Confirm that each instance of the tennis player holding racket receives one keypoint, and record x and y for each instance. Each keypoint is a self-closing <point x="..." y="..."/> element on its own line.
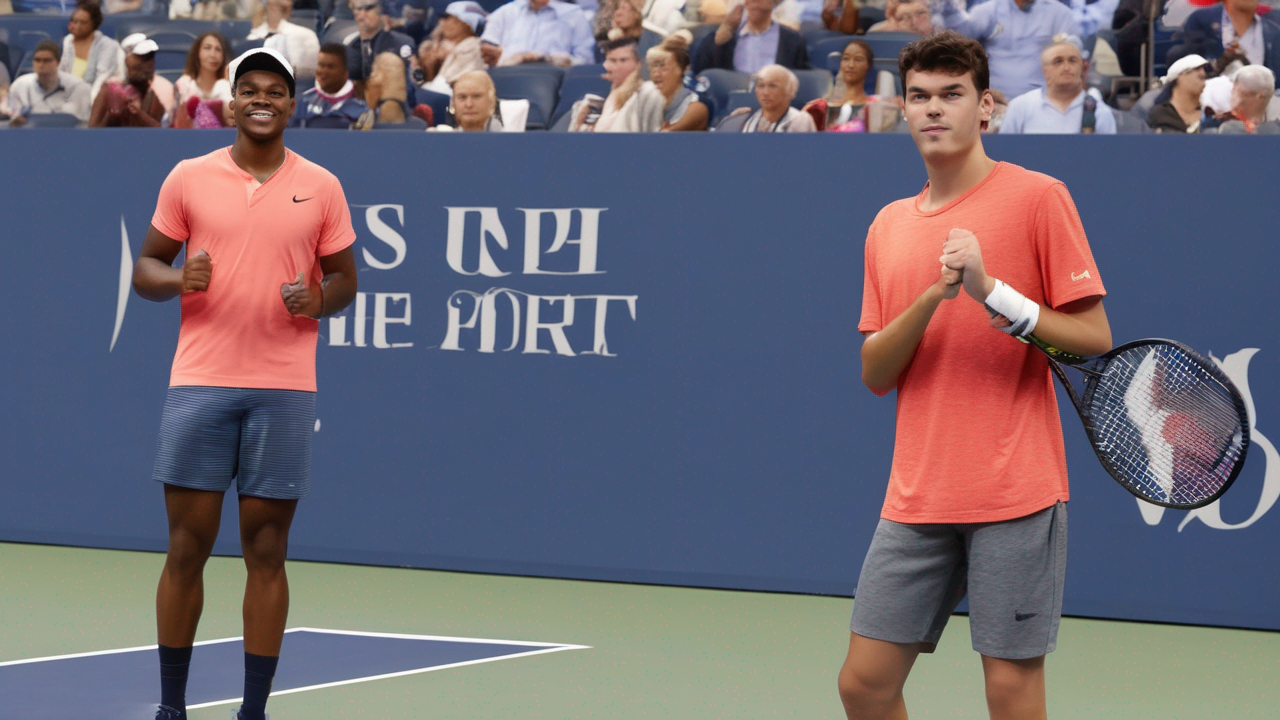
<point x="976" y="502"/>
<point x="268" y="251"/>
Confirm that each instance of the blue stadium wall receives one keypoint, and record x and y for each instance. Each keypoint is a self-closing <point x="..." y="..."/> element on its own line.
<point x="696" y="419"/>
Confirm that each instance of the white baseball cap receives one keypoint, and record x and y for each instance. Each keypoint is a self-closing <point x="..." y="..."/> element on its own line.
<point x="468" y="12"/>
<point x="263" y="58"/>
<point x="139" y="44"/>
<point x="1184" y="64"/>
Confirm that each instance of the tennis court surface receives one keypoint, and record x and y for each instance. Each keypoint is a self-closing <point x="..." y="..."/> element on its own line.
<point x="372" y="642"/>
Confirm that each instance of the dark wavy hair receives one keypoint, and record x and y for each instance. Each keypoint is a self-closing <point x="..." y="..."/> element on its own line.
<point x="93" y="9"/>
<point x="948" y="52"/>
<point x="193" y="55"/>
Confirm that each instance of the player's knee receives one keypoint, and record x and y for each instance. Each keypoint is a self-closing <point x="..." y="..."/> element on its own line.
<point x="1014" y="684"/>
<point x="862" y="689"/>
<point x="265" y="553"/>
<point x="188" y="550"/>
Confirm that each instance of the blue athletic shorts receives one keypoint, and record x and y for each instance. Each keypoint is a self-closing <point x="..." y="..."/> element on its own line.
<point x="262" y="438"/>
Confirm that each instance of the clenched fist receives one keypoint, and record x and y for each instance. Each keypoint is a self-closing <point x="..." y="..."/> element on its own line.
<point x="298" y="298"/>
<point x="196" y="272"/>
<point x="961" y="252"/>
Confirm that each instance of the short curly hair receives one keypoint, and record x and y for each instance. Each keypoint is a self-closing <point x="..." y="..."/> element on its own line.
<point x="948" y="52"/>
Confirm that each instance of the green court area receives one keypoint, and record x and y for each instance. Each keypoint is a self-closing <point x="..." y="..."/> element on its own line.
<point x="655" y="652"/>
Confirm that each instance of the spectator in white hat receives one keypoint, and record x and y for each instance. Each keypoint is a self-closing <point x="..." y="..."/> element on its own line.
<point x="298" y="44"/>
<point x="132" y="103"/>
<point x="1179" y="110"/>
<point x="160" y="84"/>
<point x="453" y="50"/>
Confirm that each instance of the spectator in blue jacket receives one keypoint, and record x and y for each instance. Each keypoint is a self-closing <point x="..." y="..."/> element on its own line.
<point x="538" y="31"/>
<point x="1234" y="27"/>
<point x="1013" y="33"/>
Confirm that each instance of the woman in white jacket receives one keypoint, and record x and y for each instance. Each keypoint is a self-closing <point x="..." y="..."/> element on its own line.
<point x="86" y="52"/>
<point x="632" y="106"/>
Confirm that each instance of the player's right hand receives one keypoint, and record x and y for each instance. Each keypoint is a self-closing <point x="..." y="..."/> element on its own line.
<point x="196" y="272"/>
<point x="951" y="281"/>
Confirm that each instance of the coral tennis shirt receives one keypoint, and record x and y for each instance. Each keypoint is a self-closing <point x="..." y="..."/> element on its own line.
<point x="978" y="437"/>
<point x="259" y="236"/>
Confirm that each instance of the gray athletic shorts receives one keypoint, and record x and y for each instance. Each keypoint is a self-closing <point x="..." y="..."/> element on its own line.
<point x="262" y="438"/>
<point x="1012" y="571"/>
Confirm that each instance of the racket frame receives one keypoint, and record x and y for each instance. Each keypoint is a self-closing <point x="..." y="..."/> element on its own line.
<point x="1094" y="368"/>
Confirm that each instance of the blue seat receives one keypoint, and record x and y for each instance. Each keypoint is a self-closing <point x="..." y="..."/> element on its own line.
<point x="590" y="70"/>
<point x="439" y="104"/>
<point x="574" y="88"/>
<point x="328" y="123"/>
<point x="888" y="45"/>
<point x="741" y="99"/>
<point x="167" y="38"/>
<point x="171" y="74"/>
<point x="715" y="85"/>
<point x="816" y="36"/>
<point x="336" y="30"/>
<point x="868" y="16"/>
<point x="52" y="120"/>
<point x="308" y="18"/>
<point x="240" y="46"/>
<point x="171" y="59"/>
<point x="539" y="84"/>
<point x="1128" y="123"/>
<point x="411" y="123"/>
<point x="813" y="84"/>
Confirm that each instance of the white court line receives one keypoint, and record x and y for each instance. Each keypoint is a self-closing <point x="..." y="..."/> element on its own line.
<point x="543" y="648"/>
<point x="400" y="674"/>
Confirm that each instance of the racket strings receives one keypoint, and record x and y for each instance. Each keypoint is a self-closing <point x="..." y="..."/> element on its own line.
<point x="1166" y="425"/>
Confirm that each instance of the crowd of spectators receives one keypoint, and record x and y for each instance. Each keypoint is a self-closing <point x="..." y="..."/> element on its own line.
<point x="412" y="64"/>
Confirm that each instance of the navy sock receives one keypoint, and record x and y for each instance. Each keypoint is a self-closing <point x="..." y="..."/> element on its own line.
<point x="259" y="671"/>
<point x="174" y="664"/>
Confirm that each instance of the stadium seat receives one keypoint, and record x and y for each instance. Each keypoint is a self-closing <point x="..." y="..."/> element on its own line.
<point x="171" y="59"/>
<point x="716" y="84"/>
<point x="336" y="30"/>
<point x="741" y="99"/>
<point x="240" y="46"/>
<point x="171" y="75"/>
<point x="174" y="38"/>
<point x="575" y="87"/>
<point x="308" y="18"/>
<point x="887" y="45"/>
<point x="412" y="123"/>
<point x="52" y="120"/>
<point x="439" y="104"/>
<point x="813" y="84"/>
<point x="868" y="16"/>
<point x="815" y="37"/>
<point x="232" y="30"/>
<point x="590" y="70"/>
<point x="1128" y="123"/>
<point x="889" y="65"/>
<point x="562" y="124"/>
<point x="539" y="84"/>
<point x="328" y="123"/>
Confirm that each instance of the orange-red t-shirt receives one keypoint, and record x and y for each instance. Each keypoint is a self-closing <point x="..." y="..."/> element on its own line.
<point x="259" y="236"/>
<point x="977" y="435"/>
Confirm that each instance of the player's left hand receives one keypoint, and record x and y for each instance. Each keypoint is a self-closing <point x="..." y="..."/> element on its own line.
<point x="298" y="298"/>
<point x="962" y="252"/>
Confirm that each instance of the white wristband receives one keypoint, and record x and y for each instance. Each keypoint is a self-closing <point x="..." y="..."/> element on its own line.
<point x="1021" y="312"/>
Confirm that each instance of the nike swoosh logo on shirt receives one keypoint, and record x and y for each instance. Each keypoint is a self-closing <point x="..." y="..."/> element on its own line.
<point x="295" y="198"/>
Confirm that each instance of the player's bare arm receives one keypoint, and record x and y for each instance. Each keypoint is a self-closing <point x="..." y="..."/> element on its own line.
<point x="155" y="278"/>
<point x="336" y="290"/>
<point x="1079" y="327"/>
<point x="886" y="353"/>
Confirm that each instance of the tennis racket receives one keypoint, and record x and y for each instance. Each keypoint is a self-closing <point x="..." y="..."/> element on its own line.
<point x="1166" y="423"/>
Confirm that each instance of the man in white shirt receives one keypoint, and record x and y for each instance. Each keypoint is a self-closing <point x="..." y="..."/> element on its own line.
<point x="297" y="43"/>
<point x="532" y="31"/>
<point x="47" y="90"/>
<point x="1064" y="105"/>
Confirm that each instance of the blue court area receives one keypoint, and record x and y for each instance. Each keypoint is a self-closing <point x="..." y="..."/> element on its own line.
<point x="121" y="684"/>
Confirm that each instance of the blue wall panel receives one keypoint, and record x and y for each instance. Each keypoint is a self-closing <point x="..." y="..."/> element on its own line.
<point x="719" y="436"/>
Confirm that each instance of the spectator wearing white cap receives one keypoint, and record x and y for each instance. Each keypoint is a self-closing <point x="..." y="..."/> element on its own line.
<point x="160" y="84"/>
<point x="538" y="31"/>
<point x="453" y="50"/>
<point x="132" y="103"/>
<point x="297" y="43"/>
<point x="1178" y="110"/>
<point x="48" y="89"/>
<point x="1253" y="89"/>
<point x="1064" y="105"/>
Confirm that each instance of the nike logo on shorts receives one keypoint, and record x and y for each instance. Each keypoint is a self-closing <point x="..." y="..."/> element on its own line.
<point x="295" y="198"/>
<point x="1023" y="616"/>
